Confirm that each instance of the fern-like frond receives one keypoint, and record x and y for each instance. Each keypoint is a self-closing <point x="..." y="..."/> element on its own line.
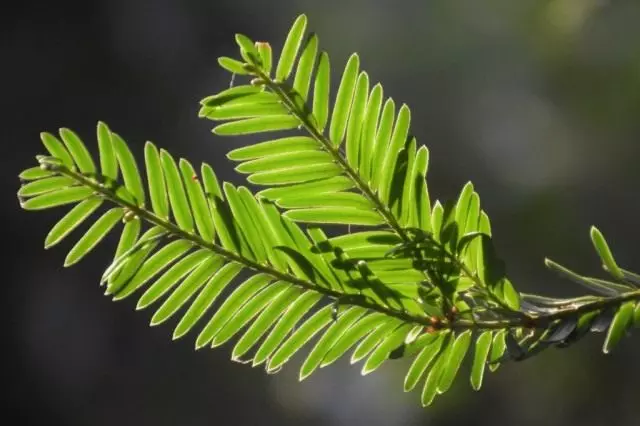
<point x="228" y="264"/>
<point x="362" y="169"/>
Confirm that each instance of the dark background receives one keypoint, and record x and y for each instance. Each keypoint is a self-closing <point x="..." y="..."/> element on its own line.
<point x="536" y="101"/>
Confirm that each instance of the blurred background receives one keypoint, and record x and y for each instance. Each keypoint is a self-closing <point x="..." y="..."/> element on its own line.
<point x="535" y="101"/>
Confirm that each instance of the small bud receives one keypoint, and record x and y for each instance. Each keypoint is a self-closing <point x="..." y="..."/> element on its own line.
<point x="257" y="82"/>
<point x="128" y="216"/>
<point x="194" y="178"/>
<point x="429" y="330"/>
<point x="434" y="320"/>
<point x="452" y="313"/>
<point x="49" y="167"/>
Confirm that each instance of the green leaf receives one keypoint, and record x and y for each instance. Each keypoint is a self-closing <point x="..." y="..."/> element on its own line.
<point x="130" y="173"/>
<point x="305" y="66"/>
<point x="409" y="196"/>
<point x="458" y="352"/>
<point x="462" y="207"/>
<point x="45" y="185"/>
<point x="508" y="294"/>
<point x="338" y="215"/>
<point x="248" y="49"/>
<point x="246" y="226"/>
<point x="248" y="311"/>
<point x="351" y="336"/>
<point x="290" y="48"/>
<point x="156" y="263"/>
<point x="369" y="127"/>
<point x="491" y="269"/>
<point x="261" y="223"/>
<point x="400" y="277"/>
<point x="301" y="243"/>
<point x="356" y="118"/>
<point x="177" y="195"/>
<point x="171" y="276"/>
<point x="94" y="235"/>
<point x="117" y="286"/>
<point x="606" y="288"/>
<point x="78" y="151"/>
<point x="619" y="325"/>
<point x="237" y="94"/>
<point x="365" y="239"/>
<point x="381" y="353"/>
<point x="290" y="318"/>
<point x="437" y="216"/>
<point x="296" y="159"/>
<point x="72" y="220"/>
<point x="381" y="141"/>
<point x="196" y="279"/>
<point x="265" y="320"/>
<point x="636" y="316"/>
<point x="211" y="185"/>
<point x="198" y="201"/>
<point x="397" y="142"/>
<point x="34" y="173"/>
<point x="231" y="305"/>
<point x="473" y="215"/>
<point x="396" y="265"/>
<point x="423" y="202"/>
<point x="318" y="186"/>
<point x="602" y="248"/>
<point x="268" y="123"/>
<point x="58" y="198"/>
<point x="483" y="344"/>
<point x="244" y="110"/>
<point x="328" y="339"/>
<point x="129" y="260"/>
<point x="232" y="65"/>
<point x="302" y="335"/>
<point x="273" y="147"/>
<point x="57" y="149"/>
<point x="277" y="232"/>
<point x="483" y="224"/>
<point x="157" y="188"/>
<point x="236" y="99"/>
<point x="422" y="362"/>
<point x="266" y="56"/>
<point x="227" y="229"/>
<point x="129" y="236"/>
<point x="342" y="106"/>
<point x="321" y="90"/>
<point x="468" y="245"/>
<point x="497" y="349"/>
<point x="300" y="265"/>
<point x="108" y="160"/>
<point x="373" y="339"/>
<point x="296" y="174"/>
<point x="127" y="241"/>
<point x="335" y="199"/>
<point x="430" y="388"/>
<point x="123" y="194"/>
